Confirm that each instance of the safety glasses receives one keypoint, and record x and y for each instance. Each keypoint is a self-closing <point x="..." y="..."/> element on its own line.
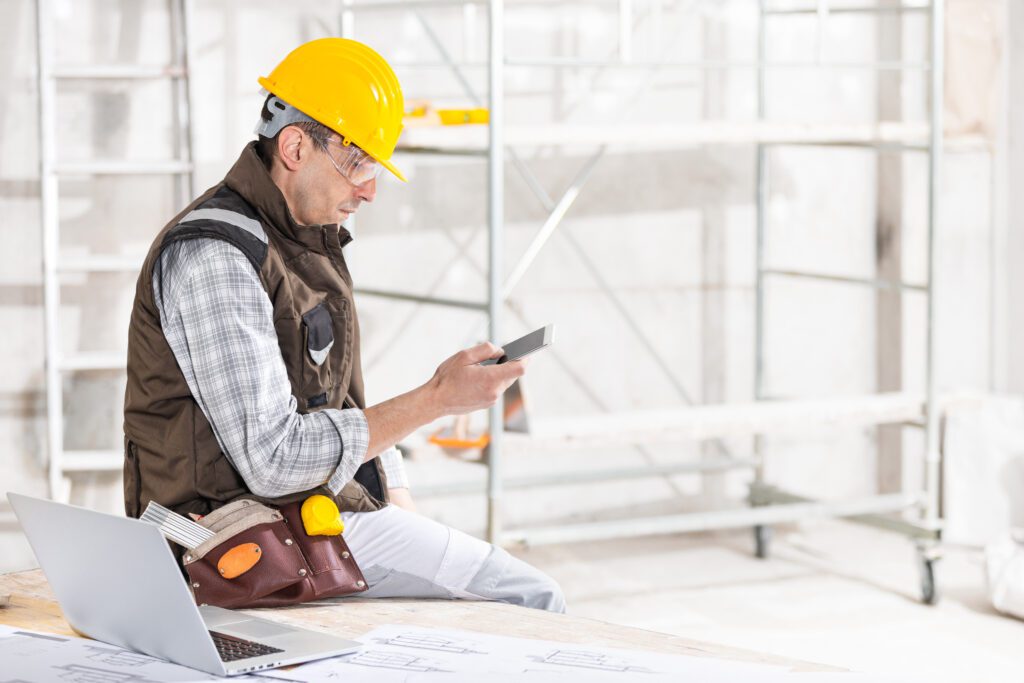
<point x="352" y="163"/>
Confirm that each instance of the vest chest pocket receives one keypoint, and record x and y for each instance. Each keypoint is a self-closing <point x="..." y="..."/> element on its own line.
<point x="317" y="341"/>
<point x="327" y="353"/>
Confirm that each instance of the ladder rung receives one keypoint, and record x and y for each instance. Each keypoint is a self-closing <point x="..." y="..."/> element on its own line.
<point x="100" y="263"/>
<point x="119" y="71"/>
<point x="95" y="360"/>
<point x="122" y="167"/>
<point x="91" y="461"/>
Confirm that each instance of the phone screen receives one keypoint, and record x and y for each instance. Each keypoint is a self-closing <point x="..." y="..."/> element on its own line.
<point x="524" y="346"/>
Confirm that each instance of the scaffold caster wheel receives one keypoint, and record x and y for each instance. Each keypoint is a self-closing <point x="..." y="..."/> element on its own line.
<point x="929" y="588"/>
<point x="762" y="539"/>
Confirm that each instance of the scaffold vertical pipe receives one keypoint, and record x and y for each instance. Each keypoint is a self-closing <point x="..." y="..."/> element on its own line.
<point x="180" y="30"/>
<point x="49" y="209"/>
<point x="495" y="224"/>
<point x="626" y="31"/>
<point x="933" y="461"/>
<point x="348" y="20"/>
<point x="760" y="209"/>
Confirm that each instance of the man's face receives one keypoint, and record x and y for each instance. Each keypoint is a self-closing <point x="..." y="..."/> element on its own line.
<point x="322" y="193"/>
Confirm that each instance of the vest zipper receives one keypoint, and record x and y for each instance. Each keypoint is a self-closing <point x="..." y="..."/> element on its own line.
<point x="330" y="257"/>
<point x="376" y="466"/>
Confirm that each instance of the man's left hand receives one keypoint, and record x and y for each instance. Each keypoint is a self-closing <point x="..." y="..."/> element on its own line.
<point x="402" y="498"/>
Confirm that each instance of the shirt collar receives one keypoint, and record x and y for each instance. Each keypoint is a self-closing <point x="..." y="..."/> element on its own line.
<point x="250" y="179"/>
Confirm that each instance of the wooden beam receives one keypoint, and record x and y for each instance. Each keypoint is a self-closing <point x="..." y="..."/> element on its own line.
<point x="889" y="255"/>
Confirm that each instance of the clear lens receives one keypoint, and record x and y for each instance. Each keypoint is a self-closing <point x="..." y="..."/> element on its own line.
<point x="354" y="164"/>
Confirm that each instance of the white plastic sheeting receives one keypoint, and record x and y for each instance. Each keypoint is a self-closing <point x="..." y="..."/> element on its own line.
<point x="1005" y="567"/>
<point x="984" y="494"/>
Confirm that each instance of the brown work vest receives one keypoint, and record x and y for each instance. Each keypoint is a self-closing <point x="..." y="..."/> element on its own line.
<point x="171" y="454"/>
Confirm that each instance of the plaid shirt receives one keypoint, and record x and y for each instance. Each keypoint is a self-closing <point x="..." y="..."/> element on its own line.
<point x="218" y="321"/>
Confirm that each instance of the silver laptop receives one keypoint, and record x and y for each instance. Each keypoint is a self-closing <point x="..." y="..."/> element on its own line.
<point x="117" y="581"/>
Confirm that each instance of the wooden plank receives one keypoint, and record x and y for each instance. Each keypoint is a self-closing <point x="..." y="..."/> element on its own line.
<point x="796" y="417"/>
<point x="34" y="607"/>
<point x="889" y="254"/>
<point x="722" y="420"/>
<point x="35" y="614"/>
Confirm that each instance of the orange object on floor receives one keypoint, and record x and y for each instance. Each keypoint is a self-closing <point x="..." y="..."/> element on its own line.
<point x="456" y="439"/>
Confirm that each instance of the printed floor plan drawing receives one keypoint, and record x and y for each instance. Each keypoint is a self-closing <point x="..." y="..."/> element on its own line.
<point x="78" y="673"/>
<point x="397" y="653"/>
<point x="412" y="654"/>
<point x="581" y="659"/>
<point x="429" y="641"/>
<point x="385" y="659"/>
<point x="30" y="657"/>
<point x="119" y="658"/>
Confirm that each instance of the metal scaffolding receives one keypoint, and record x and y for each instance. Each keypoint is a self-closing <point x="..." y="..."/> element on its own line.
<point x="769" y="505"/>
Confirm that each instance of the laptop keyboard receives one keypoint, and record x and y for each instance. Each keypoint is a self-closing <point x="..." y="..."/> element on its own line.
<point x="232" y="648"/>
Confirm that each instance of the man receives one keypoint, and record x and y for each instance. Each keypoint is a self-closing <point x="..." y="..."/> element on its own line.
<point x="244" y="374"/>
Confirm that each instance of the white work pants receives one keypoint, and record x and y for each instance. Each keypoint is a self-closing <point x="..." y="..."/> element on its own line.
<point x="404" y="554"/>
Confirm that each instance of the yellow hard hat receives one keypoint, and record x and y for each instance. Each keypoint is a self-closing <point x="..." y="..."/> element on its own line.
<point x="347" y="87"/>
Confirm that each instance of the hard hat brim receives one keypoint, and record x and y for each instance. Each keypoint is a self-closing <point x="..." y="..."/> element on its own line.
<point x="394" y="170"/>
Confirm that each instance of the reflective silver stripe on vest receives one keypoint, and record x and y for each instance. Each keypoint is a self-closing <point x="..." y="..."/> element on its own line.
<point x="250" y="225"/>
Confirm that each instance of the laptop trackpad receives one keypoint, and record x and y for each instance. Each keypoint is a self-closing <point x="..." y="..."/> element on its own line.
<point x="256" y="629"/>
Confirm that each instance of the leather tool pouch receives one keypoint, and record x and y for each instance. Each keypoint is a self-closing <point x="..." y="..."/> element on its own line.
<point x="272" y="560"/>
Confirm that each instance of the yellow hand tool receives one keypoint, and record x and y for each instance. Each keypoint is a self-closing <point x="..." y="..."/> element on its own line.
<point x="320" y="517"/>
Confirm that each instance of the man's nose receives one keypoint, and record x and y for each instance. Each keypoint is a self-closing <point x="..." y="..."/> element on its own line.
<point x="368" y="190"/>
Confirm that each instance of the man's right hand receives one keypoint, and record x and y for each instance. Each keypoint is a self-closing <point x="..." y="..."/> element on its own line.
<point x="460" y="385"/>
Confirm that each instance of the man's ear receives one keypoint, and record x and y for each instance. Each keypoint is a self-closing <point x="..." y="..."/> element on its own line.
<point x="290" y="148"/>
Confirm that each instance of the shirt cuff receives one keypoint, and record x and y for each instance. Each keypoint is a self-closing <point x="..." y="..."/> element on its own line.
<point x="355" y="440"/>
<point x="394" y="468"/>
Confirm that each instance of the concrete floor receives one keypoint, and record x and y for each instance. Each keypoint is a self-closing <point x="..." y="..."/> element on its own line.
<point x="832" y="592"/>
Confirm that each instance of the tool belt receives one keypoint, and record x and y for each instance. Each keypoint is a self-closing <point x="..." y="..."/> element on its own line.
<point x="263" y="557"/>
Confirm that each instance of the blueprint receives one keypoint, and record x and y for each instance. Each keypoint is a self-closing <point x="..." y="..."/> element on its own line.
<point x="412" y="654"/>
<point x="394" y="654"/>
<point x="34" y="657"/>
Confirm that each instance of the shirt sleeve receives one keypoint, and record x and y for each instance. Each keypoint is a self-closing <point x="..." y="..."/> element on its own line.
<point x="394" y="468"/>
<point x="218" y="320"/>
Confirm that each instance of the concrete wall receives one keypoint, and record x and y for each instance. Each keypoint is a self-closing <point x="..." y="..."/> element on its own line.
<point x="671" y="232"/>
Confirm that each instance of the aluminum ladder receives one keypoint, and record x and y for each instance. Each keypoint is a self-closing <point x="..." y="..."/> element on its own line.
<point x="61" y="462"/>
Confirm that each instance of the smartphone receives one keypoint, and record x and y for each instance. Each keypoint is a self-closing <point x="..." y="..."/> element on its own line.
<point x="524" y="346"/>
